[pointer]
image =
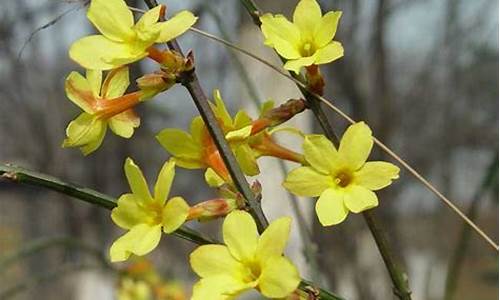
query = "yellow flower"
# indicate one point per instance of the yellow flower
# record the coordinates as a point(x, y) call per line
point(306, 41)
point(342, 178)
point(249, 139)
point(103, 104)
point(123, 42)
point(246, 261)
point(130, 289)
point(145, 216)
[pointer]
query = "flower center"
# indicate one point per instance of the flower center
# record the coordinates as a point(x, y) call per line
point(343, 178)
point(307, 49)
point(255, 270)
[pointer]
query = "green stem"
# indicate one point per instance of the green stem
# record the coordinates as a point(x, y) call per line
point(200, 99)
point(398, 277)
point(458, 256)
point(19, 175)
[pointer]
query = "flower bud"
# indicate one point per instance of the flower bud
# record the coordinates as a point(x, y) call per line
point(212, 209)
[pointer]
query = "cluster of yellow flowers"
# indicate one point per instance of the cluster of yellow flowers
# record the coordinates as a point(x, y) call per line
point(342, 178)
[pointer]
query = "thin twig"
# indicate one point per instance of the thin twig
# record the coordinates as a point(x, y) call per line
point(337, 110)
point(200, 99)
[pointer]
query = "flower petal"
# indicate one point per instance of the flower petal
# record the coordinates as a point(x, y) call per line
point(175, 26)
point(239, 134)
point(305, 181)
point(95, 143)
point(327, 28)
point(149, 18)
point(358, 199)
point(246, 159)
point(136, 180)
point(282, 35)
point(187, 153)
point(329, 53)
point(99, 53)
point(164, 181)
point(174, 214)
point(140, 240)
point(273, 240)
point(240, 235)
point(356, 145)
point(128, 213)
point(79, 91)
point(94, 78)
point(375, 175)
point(83, 130)
point(123, 124)
point(213, 179)
point(220, 111)
point(116, 83)
point(296, 64)
point(279, 278)
point(330, 207)
point(112, 18)
point(197, 129)
point(220, 287)
point(242, 119)
point(212, 260)
point(320, 153)
point(307, 16)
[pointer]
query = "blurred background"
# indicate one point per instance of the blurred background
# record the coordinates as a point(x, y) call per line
point(423, 74)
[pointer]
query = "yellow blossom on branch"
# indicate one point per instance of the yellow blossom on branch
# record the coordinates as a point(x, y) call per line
point(249, 139)
point(121, 41)
point(104, 104)
point(343, 179)
point(308, 40)
point(246, 261)
point(145, 216)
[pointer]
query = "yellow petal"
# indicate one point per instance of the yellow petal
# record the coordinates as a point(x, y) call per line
point(99, 53)
point(327, 28)
point(175, 26)
point(197, 129)
point(174, 214)
point(83, 130)
point(220, 110)
point(129, 212)
point(140, 240)
point(149, 18)
point(305, 181)
point(296, 64)
point(279, 278)
point(330, 207)
point(246, 159)
point(136, 180)
point(242, 119)
point(116, 83)
point(79, 91)
point(123, 124)
point(356, 145)
point(273, 240)
point(240, 235)
point(329, 53)
point(375, 175)
point(358, 198)
point(112, 18)
point(95, 143)
point(94, 78)
point(187, 152)
point(320, 153)
point(307, 16)
point(282, 35)
point(220, 287)
point(212, 179)
point(212, 260)
point(164, 181)
point(240, 134)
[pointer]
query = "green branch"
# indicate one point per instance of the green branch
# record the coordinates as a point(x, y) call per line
point(398, 277)
point(21, 175)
